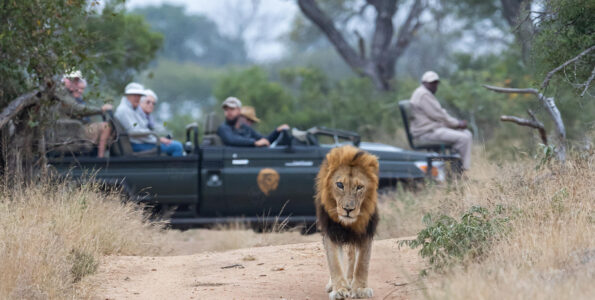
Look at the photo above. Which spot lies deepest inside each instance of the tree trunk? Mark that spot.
(380, 65)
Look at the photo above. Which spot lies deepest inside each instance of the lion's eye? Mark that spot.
(340, 185)
(359, 187)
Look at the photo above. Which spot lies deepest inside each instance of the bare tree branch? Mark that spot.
(588, 83)
(549, 104)
(314, 13)
(17, 105)
(534, 123)
(512, 90)
(380, 64)
(549, 75)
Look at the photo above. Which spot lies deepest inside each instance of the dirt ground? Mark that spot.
(295, 271)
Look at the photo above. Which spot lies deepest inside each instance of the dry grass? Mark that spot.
(401, 211)
(52, 235)
(549, 252)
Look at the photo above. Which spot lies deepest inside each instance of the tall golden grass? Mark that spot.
(549, 252)
(52, 235)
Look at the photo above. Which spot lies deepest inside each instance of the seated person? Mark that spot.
(431, 122)
(146, 107)
(236, 133)
(97, 132)
(248, 117)
(127, 114)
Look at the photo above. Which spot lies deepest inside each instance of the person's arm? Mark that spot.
(229, 138)
(434, 111)
(254, 134)
(130, 122)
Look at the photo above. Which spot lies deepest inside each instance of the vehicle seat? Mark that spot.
(210, 137)
(435, 146)
(121, 145)
(304, 137)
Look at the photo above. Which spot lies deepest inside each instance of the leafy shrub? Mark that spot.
(445, 240)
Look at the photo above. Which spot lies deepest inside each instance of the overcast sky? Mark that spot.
(272, 19)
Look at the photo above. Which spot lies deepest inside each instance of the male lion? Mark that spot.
(346, 196)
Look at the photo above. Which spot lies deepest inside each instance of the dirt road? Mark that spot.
(296, 271)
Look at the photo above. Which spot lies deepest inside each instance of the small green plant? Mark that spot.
(83, 264)
(545, 155)
(446, 241)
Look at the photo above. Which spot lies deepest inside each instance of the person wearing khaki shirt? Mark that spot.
(430, 122)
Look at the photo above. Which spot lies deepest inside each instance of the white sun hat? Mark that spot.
(149, 92)
(430, 76)
(134, 88)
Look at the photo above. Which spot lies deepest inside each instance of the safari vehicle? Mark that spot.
(214, 183)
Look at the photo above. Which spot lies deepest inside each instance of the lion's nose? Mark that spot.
(348, 210)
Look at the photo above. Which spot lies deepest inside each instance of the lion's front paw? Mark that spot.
(362, 292)
(340, 290)
(329, 286)
(340, 293)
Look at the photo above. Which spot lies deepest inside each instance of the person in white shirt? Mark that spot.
(127, 114)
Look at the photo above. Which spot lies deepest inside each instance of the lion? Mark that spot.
(347, 215)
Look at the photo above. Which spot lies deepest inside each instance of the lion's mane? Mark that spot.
(328, 220)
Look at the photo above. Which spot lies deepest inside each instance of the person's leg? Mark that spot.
(103, 137)
(461, 140)
(141, 147)
(174, 149)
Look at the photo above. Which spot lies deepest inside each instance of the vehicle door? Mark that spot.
(270, 181)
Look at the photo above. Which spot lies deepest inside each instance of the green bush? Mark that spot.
(446, 241)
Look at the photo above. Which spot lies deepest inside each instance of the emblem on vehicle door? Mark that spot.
(268, 180)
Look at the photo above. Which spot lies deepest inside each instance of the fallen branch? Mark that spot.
(534, 123)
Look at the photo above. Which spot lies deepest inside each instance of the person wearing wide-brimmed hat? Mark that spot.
(248, 117)
(430, 122)
(234, 132)
(97, 132)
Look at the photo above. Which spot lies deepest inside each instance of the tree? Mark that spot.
(379, 65)
(123, 45)
(42, 40)
(193, 38)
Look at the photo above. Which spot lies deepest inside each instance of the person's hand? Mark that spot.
(283, 127)
(107, 107)
(262, 143)
(165, 140)
(462, 124)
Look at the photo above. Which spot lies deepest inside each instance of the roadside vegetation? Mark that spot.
(53, 235)
(524, 232)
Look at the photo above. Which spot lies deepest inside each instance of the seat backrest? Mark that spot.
(210, 138)
(212, 123)
(121, 145)
(405, 108)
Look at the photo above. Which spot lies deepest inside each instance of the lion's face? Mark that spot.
(350, 186)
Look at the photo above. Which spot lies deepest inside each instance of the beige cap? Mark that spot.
(430, 76)
(232, 102)
(134, 88)
(249, 113)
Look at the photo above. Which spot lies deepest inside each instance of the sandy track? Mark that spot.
(296, 271)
